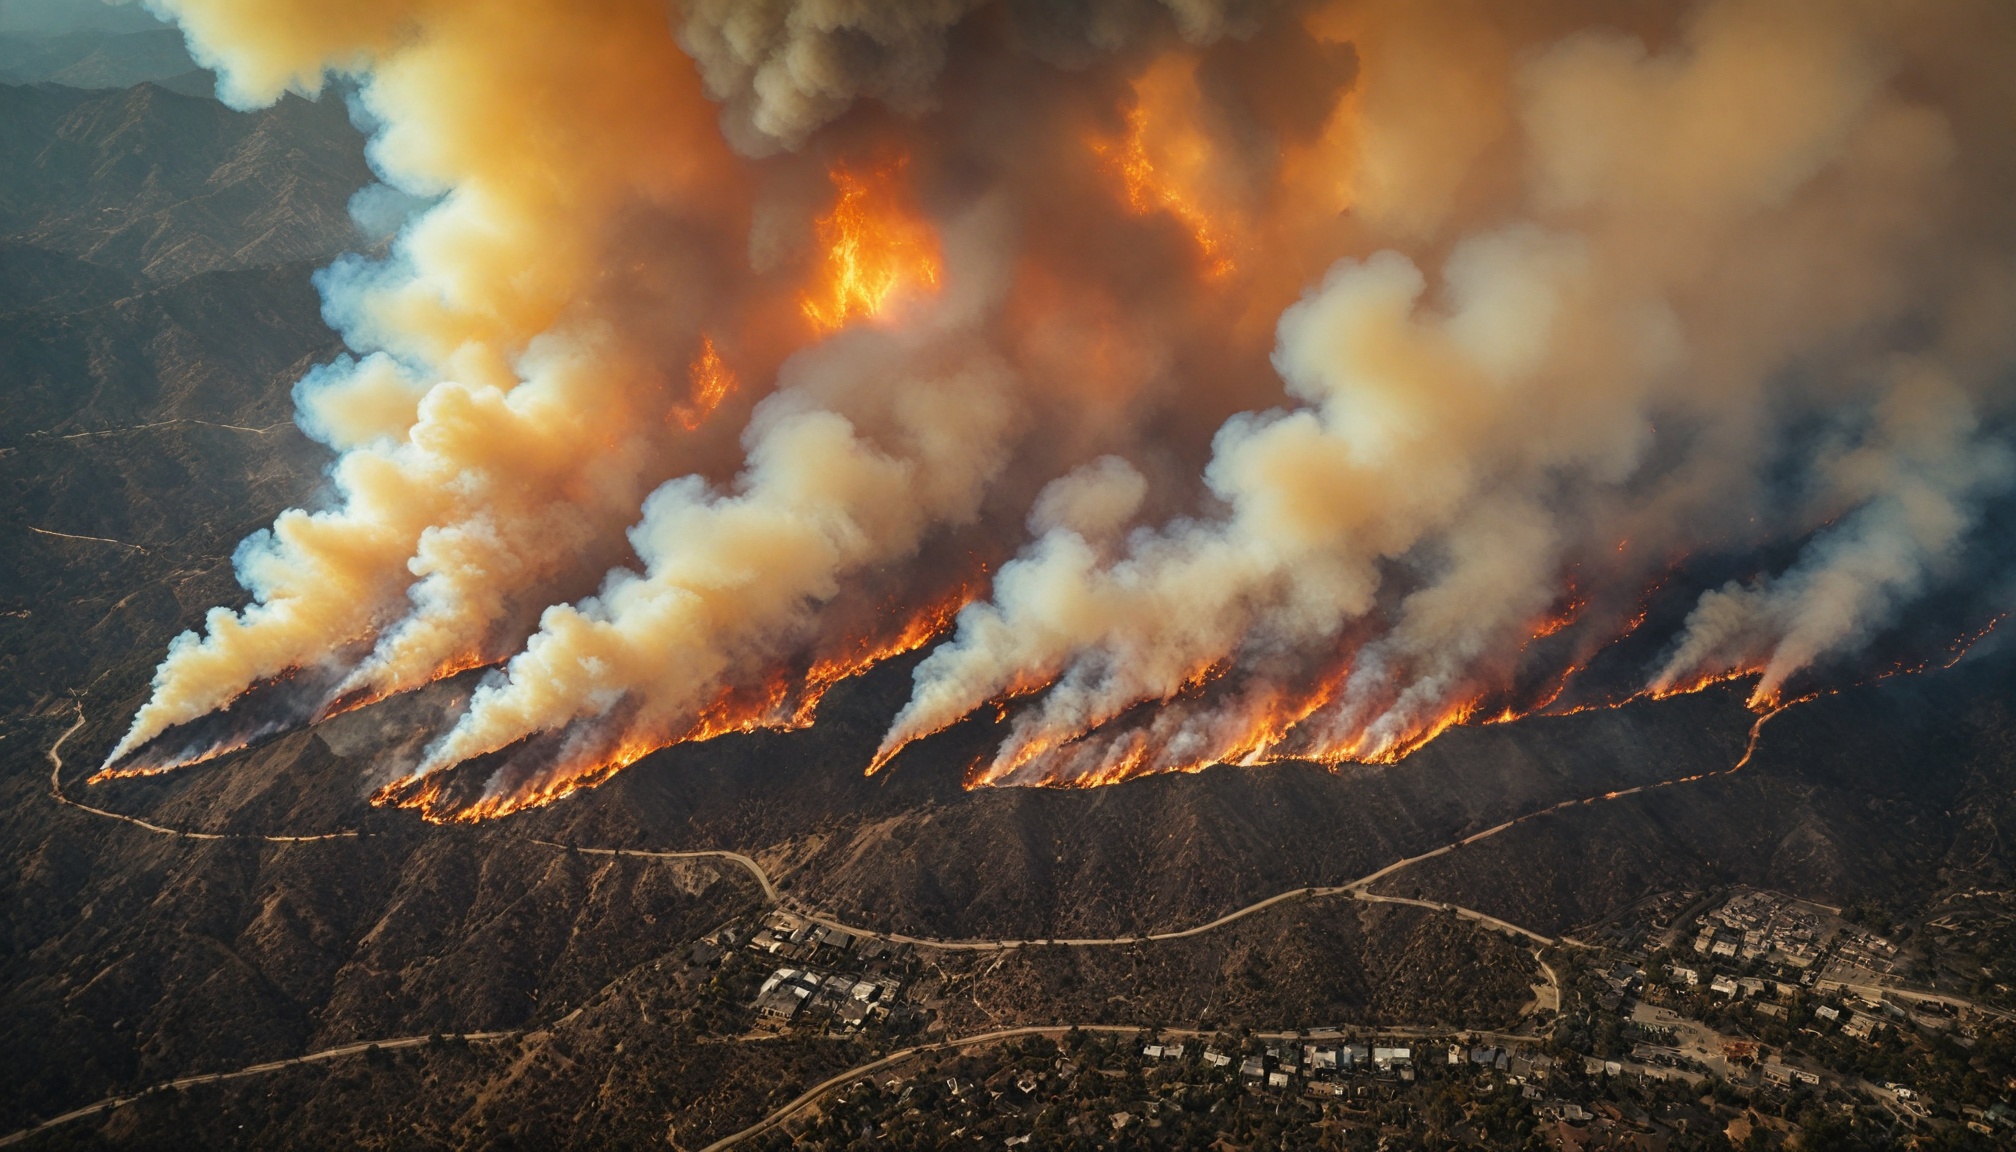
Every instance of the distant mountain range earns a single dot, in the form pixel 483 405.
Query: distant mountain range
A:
pixel 98 59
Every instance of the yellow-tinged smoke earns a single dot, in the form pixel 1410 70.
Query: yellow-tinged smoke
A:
pixel 856 309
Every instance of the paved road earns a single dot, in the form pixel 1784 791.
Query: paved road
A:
pixel 358 1048
pixel 1878 991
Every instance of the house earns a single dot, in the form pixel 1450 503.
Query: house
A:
pixel 1827 1012
pixel 1723 985
pixel 1216 1058
pixel 1456 1054
pixel 781 976
pixel 1860 1027
pixel 1384 1058
pixel 1252 1067
pixel 1687 976
pixel 1319 1059
pixel 1277 1080
pixel 1172 1051
pixel 1153 1051
pixel 781 1004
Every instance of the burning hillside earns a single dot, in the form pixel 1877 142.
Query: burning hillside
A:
pixel 1223 381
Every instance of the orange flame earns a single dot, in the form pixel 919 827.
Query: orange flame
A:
pixel 781 702
pixel 874 250
pixel 712 381
pixel 138 771
pixel 365 697
pixel 1149 189
pixel 427 796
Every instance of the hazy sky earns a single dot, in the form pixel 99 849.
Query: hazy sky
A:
pixel 73 15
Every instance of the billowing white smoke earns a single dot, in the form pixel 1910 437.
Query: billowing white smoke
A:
pixel 1700 218
pixel 857 300
pixel 871 442
pixel 1914 490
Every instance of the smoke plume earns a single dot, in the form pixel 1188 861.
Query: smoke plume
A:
pixel 1254 380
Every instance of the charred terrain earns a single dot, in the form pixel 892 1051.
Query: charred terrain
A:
pixel 155 311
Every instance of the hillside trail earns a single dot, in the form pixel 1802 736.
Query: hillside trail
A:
pixel 1358 889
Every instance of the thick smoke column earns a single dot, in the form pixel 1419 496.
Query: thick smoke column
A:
pixel 735 343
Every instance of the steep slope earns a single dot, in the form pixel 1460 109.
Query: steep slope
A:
pixel 166 185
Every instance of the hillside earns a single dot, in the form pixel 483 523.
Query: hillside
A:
pixel 162 185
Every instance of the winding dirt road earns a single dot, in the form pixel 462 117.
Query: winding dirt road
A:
pixel 56 791
pixel 355 1049
pixel 1358 889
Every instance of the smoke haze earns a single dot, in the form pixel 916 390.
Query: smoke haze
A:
pixel 1253 380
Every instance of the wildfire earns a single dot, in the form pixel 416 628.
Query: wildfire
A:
pixel 1693 684
pixel 364 697
pixel 711 382
pixel 785 702
pixel 428 796
pixel 1149 188
pixel 781 702
pixel 874 249
pixel 135 770
pixel 1270 725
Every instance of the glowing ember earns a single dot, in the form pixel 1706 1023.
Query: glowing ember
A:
pixel 874 250
pixel 712 381
pixel 1149 189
